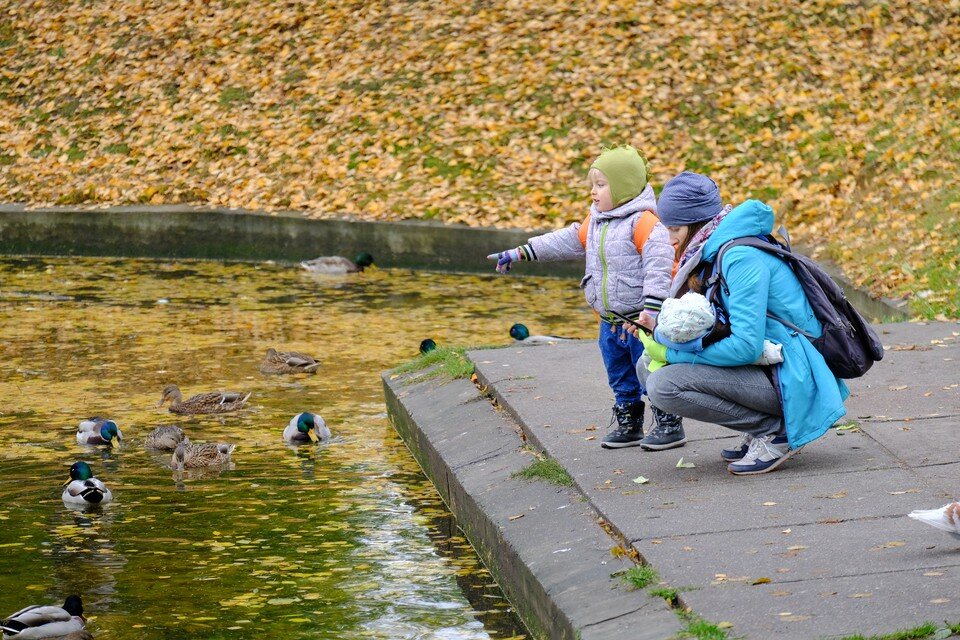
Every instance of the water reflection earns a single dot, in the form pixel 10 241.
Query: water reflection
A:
pixel 342 540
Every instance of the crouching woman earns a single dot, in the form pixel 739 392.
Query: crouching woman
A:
pixel 777 409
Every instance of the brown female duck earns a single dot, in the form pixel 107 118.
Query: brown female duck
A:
pixel 216 402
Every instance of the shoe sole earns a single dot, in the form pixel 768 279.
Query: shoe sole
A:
pixel 776 463
pixel 619 445
pixel 661 447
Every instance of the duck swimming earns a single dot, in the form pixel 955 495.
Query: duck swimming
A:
pixel 215 402
pixel 39 621
pixel 520 333
pixel 288 362
pixel 427 345
pixel 98 431
pixel 188 455
pixel 165 438
pixel 338 264
pixel 83 488
pixel 306 427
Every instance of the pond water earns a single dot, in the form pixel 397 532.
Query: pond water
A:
pixel 344 540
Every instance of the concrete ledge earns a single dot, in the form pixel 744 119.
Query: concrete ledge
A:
pixel 224 234
pixel 542 543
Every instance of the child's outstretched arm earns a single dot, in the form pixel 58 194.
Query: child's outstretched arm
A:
pixel 505 258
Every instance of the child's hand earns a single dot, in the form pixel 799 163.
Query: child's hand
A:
pixel 648 320
pixel 504 258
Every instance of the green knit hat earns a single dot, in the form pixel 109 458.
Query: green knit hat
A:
pixel 626 171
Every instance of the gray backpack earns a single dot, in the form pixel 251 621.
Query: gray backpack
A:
pixel 848 343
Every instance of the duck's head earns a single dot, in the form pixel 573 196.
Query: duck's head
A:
pixel 428 345
pixel 519 332
pixel 307 424
pixel 79 471
pixel 363 260
pixel 170 392
pixel 73 605
pixel 109 431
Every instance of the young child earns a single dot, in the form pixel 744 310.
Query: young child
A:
pixel 629 267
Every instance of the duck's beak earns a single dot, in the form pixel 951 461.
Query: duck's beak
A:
pixel 68 481
pixel 313 436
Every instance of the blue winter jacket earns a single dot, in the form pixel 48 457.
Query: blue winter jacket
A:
pixel 759 282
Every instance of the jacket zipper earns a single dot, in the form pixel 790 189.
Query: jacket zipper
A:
pixel 603 267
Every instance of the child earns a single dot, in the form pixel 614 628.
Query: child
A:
pixel 629 267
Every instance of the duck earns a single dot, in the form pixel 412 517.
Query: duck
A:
pixel 288 362
pixel 83 488
pixel 188 455
pixel 215 402
pixel 46 621
pixel 946 518
pixel 338 264
pixel 427 345
pixel 306 427
pixel 520 333
pixel 98 431
pixel 165 438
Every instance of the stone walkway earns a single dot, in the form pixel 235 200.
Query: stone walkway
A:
pixel 820 548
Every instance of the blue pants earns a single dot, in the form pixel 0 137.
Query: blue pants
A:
pixel 621 351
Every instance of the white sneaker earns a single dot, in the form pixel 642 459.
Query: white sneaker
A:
pixel 763 455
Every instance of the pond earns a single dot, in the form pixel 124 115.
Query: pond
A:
pixel 347 539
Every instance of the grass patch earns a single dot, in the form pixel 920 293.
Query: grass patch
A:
pixel 671 595
pixel 703 630
pixel 926 630
pixel 450 362
pixel 640 576
pixel 548 470
pixel 234 95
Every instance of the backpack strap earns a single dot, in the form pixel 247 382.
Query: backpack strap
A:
pixel 641 231
pixel 582 231
pixel 765 243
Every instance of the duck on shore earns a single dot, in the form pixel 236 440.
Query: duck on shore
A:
pixel 215 402
pixel 520 333
pixel 338 264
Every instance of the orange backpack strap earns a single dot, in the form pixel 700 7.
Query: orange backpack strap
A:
pixel 644 227
pixel 582 231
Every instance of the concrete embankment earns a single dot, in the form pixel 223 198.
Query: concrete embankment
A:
pixel 820 548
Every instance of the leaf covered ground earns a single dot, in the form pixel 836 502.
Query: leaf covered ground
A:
pixel 843 115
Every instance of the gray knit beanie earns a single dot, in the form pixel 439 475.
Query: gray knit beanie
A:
pixel 688 198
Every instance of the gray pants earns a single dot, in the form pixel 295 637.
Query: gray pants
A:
pixel 740 398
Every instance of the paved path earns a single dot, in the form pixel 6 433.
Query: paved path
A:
pixel 819 548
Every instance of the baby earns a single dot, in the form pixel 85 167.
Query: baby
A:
pixel 690 323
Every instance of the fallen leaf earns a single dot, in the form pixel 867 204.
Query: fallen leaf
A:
pixel 899 387
pixel 641 480
pixel 780 593
pixel 724 624
pixel 590 438
pixel 684 465
pixel 931 574
pixel 763 580
pixel 861 595
pixel 769 504
pixel 516 517
pixel 798 547
pixel 940 601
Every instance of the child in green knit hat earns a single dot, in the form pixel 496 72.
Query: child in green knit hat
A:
pixel 629 267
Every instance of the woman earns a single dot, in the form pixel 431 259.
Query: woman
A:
pixel 777 409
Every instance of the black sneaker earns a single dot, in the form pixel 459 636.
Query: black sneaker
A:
pixel 629 431
pixel 667 432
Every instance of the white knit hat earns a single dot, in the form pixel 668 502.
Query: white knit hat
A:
pixel 686 318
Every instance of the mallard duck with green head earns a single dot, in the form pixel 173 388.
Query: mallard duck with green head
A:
pixel 215 402
pixel 46 621
pixel 189 455
pixel 166 437
pixel 520 333
pixel 306 427
pixel 97 431
pixel 83 489
pixel 283 362
pixel 338 264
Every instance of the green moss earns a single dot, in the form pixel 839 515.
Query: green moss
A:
pixel 548 470
pixel 450 362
